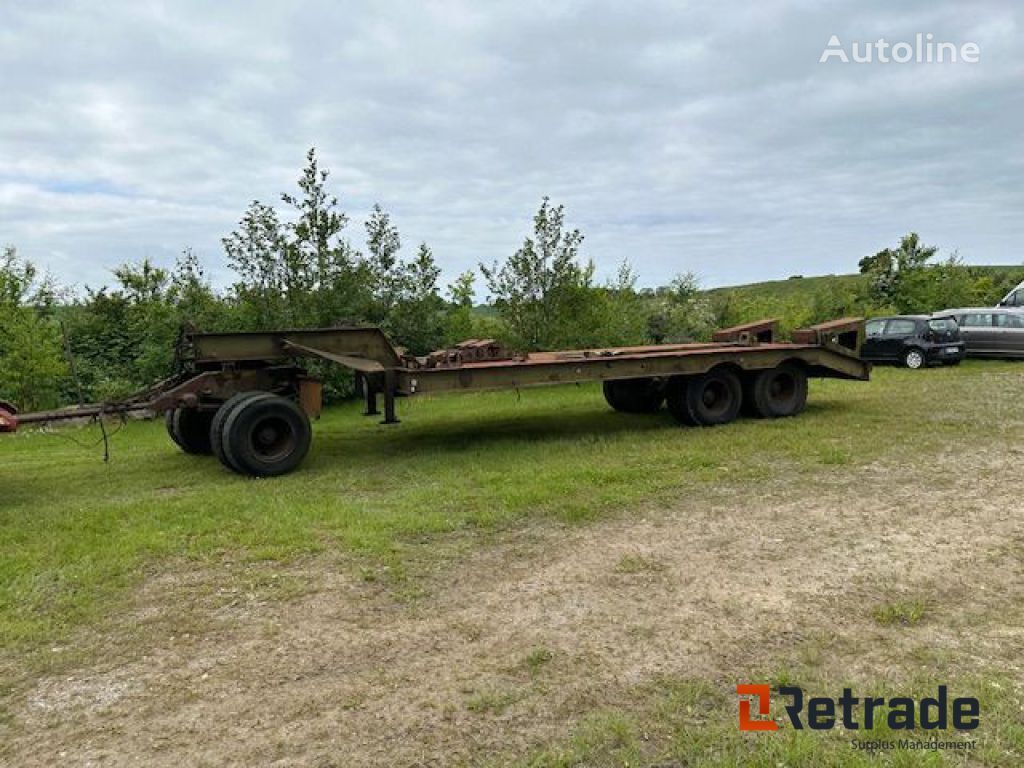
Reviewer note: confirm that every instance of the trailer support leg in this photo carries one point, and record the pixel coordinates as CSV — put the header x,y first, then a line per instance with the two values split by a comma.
x,y
389,398
370,394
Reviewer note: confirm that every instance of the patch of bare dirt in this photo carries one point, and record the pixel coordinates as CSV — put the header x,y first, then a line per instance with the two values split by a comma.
x,y
508,646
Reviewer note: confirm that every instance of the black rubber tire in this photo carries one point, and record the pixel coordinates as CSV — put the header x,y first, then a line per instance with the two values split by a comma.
x,y
776,392
707,400
190,429
634,395
911,356
266,436
169,423
219,419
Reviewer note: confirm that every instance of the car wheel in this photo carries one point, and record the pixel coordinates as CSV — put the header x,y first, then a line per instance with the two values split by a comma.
x,y
913,359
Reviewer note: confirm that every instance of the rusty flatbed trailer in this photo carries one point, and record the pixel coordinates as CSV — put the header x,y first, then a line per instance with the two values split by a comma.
x,y
245,398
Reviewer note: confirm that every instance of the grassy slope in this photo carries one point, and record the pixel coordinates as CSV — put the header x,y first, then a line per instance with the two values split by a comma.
x,y
804,288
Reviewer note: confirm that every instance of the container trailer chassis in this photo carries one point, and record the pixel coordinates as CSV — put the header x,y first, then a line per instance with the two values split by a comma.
x,y
246,398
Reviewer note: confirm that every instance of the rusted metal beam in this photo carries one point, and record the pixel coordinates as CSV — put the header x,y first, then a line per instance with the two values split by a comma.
x,y
360,364
760,331
824,362
8,417
83,412
210,388
845,332
278,346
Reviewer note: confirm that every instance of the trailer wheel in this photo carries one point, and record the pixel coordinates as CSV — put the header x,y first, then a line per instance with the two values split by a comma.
x,y
266,436
190,429
634,395
169,423
777,392
219,420
707,400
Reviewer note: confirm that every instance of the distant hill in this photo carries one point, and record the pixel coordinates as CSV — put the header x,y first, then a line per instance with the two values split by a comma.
x,y
792,288
799,301
797,287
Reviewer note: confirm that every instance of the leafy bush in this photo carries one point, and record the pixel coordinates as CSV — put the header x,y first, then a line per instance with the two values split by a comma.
x,y
31,364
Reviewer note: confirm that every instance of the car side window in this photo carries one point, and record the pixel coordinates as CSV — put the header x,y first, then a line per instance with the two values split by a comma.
x,y
1009,320
900,328
873,328
977,320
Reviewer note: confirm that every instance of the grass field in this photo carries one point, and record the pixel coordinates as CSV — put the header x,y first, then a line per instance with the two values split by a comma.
x,y
525,579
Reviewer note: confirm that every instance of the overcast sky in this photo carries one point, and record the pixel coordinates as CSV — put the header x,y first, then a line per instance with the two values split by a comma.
x,y
682,137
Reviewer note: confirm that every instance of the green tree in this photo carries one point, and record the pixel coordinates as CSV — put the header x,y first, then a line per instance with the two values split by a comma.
x,y
896,273
905,279
417,317
143,283
192,295
32,365
460,308
542,292
17,279
387,273
620,314
256,252
681,312
324,280
123,337
300,272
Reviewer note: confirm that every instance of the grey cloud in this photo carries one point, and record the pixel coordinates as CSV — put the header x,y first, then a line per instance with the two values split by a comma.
x,y
692,137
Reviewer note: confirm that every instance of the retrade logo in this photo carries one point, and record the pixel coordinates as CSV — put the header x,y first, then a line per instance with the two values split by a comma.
x,y
821,713
762,693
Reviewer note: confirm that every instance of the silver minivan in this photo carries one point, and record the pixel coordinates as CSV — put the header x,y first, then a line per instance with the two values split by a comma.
x,y
1014,298
990,331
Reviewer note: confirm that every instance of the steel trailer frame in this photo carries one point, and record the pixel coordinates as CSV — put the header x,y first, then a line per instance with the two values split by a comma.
x,y
217,369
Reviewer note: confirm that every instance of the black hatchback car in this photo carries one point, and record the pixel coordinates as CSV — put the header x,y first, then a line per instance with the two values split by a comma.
x,y
913,340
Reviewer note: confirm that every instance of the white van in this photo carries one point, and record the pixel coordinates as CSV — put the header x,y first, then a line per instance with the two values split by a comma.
x,y
1014,298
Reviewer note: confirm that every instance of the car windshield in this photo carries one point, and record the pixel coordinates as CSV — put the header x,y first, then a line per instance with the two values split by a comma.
x,y
942,324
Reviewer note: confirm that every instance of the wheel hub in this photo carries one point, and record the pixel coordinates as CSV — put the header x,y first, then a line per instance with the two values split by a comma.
x,y
714,396
272,438
782,387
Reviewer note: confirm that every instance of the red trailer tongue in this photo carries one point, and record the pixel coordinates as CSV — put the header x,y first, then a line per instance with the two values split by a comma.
x,y
8,421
